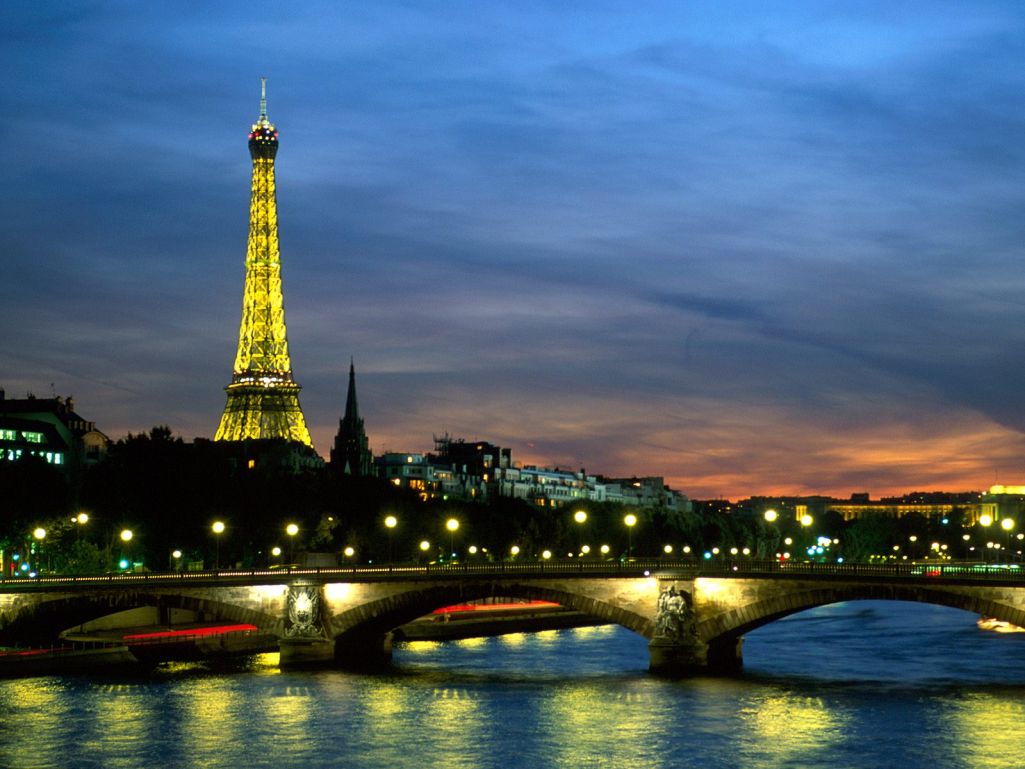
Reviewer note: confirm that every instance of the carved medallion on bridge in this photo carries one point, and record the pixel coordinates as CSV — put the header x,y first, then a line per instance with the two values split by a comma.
x,y
303,612
674,617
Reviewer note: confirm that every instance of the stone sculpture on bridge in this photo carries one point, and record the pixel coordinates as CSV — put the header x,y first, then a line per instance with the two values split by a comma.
x,y
674,619
304,612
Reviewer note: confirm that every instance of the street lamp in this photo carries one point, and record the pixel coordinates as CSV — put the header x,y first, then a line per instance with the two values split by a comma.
x,y
1007,524
349,551
390,523
770,516
126,537
176,556
218,529
453,526
630,520
514,550
424,546
580,516
40,534
291,530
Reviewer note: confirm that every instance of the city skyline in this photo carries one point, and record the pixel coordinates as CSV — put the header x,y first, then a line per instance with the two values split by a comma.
x,y
753,249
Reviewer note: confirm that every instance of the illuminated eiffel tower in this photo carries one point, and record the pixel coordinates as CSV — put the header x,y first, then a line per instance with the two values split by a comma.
x,y
263,399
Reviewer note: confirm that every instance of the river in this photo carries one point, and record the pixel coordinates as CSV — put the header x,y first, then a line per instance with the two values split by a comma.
x,y
864,685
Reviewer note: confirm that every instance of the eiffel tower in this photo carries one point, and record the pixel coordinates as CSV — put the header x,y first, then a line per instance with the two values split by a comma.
x,y
263,399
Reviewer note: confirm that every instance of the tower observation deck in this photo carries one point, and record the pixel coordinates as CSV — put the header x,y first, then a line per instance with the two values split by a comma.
x,y
263,399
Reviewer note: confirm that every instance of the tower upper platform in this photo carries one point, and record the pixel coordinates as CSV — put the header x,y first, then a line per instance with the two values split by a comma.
x,y
263,138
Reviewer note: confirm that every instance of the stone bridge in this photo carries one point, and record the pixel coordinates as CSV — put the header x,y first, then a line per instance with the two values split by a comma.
x,y
693,614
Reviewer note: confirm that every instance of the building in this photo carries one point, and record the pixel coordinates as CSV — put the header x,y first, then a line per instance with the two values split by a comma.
x,y
263,398
1002,502
548,487
932,505
351,452
50,429
429,479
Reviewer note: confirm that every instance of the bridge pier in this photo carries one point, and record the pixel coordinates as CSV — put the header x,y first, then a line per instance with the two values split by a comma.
x,y
303,652
690,656
304,642
676,649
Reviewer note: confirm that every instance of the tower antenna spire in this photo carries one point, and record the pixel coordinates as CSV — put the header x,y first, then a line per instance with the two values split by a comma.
x,y
263,98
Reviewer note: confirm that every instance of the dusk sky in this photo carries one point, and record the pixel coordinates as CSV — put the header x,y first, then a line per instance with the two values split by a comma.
x,y
752,247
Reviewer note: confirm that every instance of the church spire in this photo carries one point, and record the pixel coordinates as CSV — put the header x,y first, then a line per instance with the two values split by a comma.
x,y
351,452
351,406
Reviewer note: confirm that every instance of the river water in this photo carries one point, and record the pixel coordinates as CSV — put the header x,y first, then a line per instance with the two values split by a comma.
x,y
863,685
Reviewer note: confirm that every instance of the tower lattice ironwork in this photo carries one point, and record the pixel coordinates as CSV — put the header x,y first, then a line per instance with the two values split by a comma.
x,y
263,399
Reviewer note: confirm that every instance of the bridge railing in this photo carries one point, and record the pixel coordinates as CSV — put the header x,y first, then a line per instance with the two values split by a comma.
x,y
683,567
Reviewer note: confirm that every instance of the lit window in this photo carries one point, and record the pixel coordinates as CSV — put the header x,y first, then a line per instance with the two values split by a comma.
x,y
31,437
8,435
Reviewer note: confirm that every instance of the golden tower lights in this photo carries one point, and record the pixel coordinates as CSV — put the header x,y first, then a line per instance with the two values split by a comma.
x,y
263,399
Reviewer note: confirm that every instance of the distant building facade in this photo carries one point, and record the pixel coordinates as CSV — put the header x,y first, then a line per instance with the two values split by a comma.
x,y
50,429
547,487
479,470
931,505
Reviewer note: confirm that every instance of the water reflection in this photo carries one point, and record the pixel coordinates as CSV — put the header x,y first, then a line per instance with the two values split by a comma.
x,y
987,727
614,727
786,727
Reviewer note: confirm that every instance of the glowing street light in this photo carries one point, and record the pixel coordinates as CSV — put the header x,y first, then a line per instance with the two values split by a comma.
x,y
82,518
985,519
770,516
668,549
807,520
604,549
453,526
349,551
630,520
546,554
514,550
424,546
580,516
40,534
390,523
217,528
126,537
291,530
1007,524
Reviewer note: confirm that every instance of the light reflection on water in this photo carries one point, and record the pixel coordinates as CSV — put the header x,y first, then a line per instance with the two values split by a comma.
x,y
860,685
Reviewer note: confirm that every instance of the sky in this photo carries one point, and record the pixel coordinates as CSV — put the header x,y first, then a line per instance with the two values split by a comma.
x,y
751,247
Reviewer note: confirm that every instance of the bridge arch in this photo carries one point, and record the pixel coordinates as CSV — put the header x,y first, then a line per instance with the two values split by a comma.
x,y
40,618
378,616
741,618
